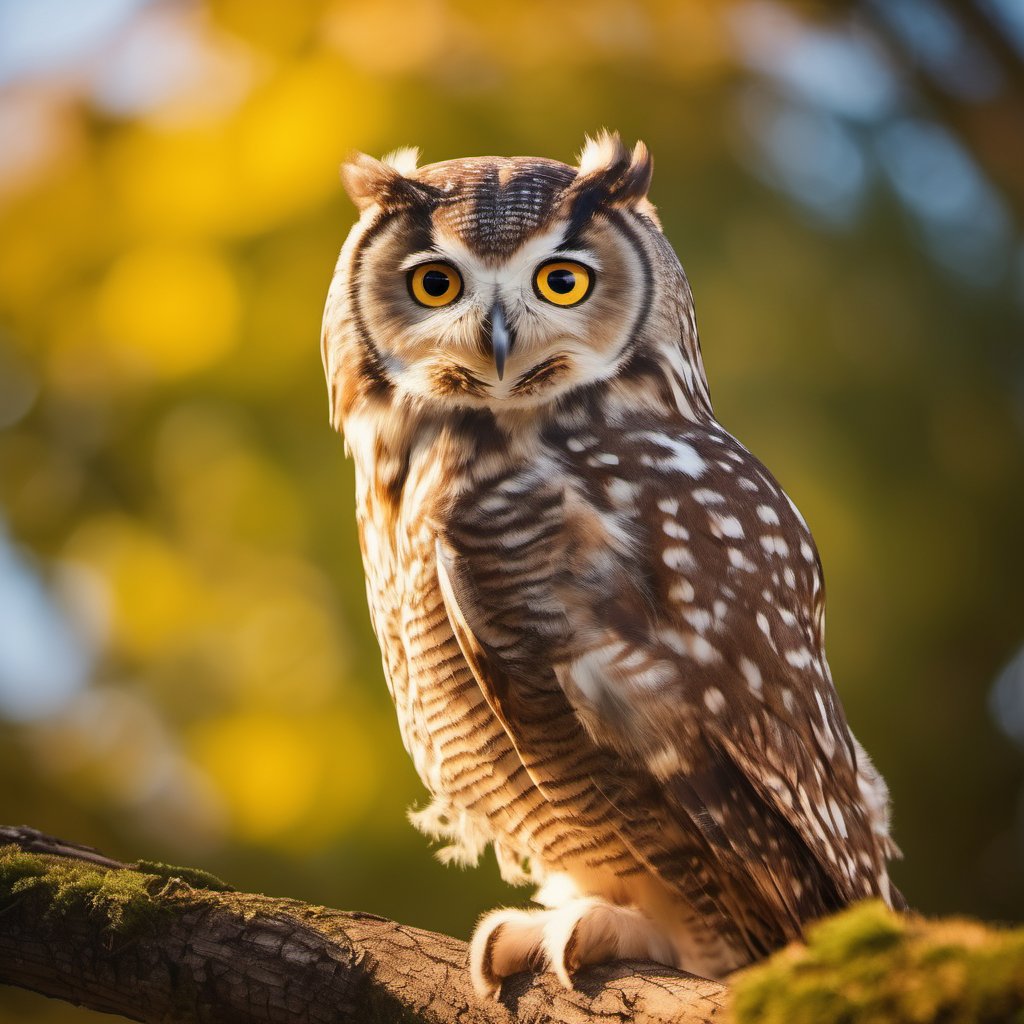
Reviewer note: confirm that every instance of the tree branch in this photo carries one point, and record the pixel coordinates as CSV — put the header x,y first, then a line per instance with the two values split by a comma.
x,y
157,943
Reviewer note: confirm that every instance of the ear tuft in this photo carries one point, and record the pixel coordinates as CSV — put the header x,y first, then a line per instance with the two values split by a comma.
x,y
384,183
636,182
609,173
404,160
601,152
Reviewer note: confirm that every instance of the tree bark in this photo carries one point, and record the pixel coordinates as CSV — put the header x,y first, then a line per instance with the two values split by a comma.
x,y
156,943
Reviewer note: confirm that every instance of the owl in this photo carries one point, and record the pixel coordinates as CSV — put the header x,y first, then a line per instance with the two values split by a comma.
x,y
601,618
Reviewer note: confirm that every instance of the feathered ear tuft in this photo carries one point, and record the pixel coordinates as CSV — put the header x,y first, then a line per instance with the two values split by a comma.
x,y
404,160
609,174
385,183
601,152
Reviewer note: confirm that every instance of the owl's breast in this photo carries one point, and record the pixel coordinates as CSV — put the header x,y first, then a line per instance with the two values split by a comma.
x,y
481,791
397,537
458,747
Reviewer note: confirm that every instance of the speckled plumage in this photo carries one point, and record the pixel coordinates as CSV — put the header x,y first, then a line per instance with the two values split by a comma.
x,y
601,617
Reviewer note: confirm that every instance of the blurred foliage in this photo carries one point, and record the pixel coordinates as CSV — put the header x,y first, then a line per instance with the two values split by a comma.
x,y
208,689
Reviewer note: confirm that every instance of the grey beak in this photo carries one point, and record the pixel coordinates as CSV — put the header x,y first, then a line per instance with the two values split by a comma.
x,y
501,340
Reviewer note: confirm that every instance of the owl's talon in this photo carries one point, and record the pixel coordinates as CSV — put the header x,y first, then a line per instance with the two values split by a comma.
x,y
593,931
505,942
581,932
486,983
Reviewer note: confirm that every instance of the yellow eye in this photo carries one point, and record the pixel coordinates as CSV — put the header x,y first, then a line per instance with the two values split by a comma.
x,y
563,282
435,284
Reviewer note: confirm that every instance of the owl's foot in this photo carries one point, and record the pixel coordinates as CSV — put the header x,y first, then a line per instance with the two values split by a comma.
x,y
582,931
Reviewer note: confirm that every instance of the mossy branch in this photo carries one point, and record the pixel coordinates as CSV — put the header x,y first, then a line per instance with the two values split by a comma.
x,y
157,943
154,942
871,965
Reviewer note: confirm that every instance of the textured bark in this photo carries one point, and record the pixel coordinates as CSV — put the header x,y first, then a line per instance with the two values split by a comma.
x,y
154,943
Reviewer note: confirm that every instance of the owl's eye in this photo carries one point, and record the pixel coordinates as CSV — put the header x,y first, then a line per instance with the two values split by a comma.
x,y
563,282
435,284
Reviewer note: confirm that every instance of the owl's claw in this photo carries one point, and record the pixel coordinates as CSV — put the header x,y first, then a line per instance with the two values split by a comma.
x,y
583,931
505,942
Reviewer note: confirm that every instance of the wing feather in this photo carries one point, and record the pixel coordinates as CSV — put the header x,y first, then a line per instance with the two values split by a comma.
x,y
675,647
529,711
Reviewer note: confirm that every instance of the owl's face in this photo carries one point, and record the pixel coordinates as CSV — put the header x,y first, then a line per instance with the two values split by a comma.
x,y
500,282
455,320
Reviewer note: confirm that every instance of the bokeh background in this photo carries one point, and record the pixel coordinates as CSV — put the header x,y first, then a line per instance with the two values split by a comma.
x,y
187,671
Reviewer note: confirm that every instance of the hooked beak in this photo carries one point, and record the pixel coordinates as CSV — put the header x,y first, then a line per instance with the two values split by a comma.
x,y
501,340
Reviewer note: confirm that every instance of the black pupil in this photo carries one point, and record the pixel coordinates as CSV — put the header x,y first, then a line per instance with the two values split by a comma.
x,y
561,281
436,283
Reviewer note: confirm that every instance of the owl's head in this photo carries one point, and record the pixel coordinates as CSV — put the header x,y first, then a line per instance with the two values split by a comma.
x,y
505,282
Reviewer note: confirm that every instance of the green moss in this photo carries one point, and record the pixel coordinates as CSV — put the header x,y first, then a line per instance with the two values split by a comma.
x,y
195,877
15,864
121,897
870,966
873,928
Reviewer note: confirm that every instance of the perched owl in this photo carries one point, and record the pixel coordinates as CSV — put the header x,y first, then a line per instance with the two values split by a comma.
x,y
601,618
